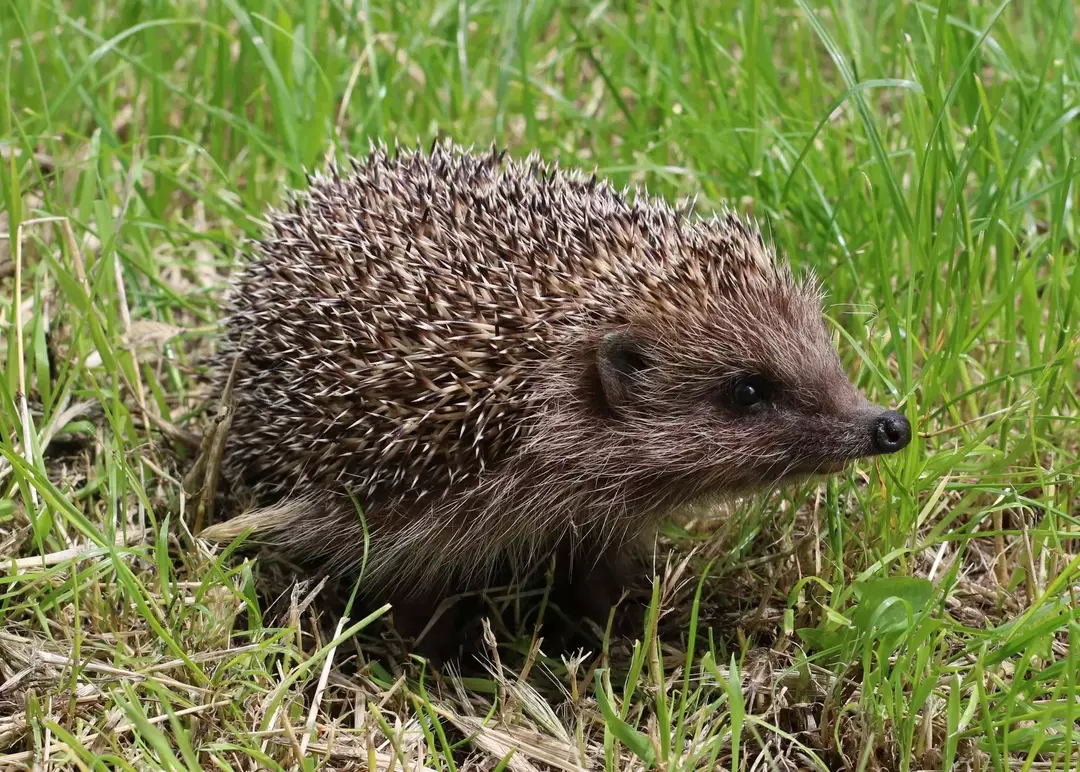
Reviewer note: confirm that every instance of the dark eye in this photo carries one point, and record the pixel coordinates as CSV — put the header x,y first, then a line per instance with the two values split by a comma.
x,y
748,392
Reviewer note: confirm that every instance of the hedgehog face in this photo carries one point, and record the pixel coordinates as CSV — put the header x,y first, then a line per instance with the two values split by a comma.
x,y
751,394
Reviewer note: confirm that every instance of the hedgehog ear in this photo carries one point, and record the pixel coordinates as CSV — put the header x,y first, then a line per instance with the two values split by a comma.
x,y
619,359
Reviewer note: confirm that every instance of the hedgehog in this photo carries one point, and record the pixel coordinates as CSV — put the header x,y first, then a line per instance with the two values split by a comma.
x,y
451,361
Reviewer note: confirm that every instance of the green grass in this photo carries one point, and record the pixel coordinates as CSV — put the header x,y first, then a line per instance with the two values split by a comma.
x,y
919,613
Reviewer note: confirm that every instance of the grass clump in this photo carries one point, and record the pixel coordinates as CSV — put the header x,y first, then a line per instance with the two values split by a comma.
x,y
919,613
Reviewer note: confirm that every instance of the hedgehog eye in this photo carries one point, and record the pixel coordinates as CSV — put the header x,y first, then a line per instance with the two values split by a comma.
x,y
750,392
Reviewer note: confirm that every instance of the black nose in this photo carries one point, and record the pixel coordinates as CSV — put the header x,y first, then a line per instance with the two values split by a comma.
x,y
892,432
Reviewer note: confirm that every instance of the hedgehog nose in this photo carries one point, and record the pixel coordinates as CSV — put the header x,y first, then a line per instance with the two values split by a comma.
x,y
892,432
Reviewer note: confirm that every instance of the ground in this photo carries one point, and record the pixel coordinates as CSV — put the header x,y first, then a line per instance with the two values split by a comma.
x,y
919,612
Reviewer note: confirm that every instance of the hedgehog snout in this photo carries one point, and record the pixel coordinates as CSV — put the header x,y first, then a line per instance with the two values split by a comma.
x,y
891,432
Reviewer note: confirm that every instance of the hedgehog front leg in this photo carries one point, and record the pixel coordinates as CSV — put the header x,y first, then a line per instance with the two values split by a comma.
x,y
594,586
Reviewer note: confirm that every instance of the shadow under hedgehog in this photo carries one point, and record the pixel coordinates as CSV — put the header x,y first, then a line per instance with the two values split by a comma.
x,y
504,361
